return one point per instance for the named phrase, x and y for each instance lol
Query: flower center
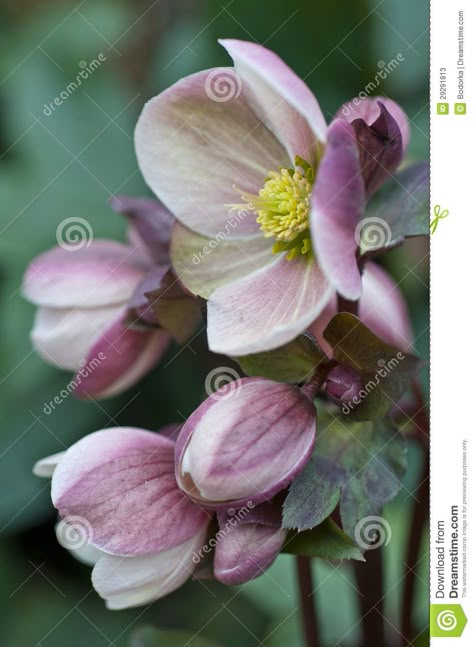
(282, 207)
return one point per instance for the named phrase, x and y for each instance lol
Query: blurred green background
(67, 165)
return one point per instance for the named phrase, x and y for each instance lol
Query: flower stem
(369, 580)
(306, 587)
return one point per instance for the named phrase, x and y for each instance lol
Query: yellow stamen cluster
(283, 207)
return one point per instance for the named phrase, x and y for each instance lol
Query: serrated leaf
(359, 465)
(400, 209)
(385, 370)
(326, 541)
(152, 637)
(293, 363)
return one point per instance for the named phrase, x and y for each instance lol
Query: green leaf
(399, 210)
(294, 362)
(326, 541)
(385, 370)
(359, 465)
(152, 637)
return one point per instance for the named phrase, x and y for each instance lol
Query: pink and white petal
(69, 538)
(120, 483)
(119, 359)
(338, 201)
(63, 337)
(267, 308)
(203, 264)
(246, 551)
(151, 224)
(382, 308)
(133, 581)
(44, 468)
(193, 151)
(369, 110)
(101, 274)
(280, 98)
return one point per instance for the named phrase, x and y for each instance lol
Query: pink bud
(246, 443)
(343, 384)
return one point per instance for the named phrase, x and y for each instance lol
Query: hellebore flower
(94, 317)
(382, 308)
(116, 489)
(247, 445)
(248, 542)
(268, 197)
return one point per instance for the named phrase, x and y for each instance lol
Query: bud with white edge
(248, 446)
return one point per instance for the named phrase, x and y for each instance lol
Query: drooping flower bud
(249, 541)
(247, 444)
(343, 384)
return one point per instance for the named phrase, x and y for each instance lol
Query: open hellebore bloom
(246, 444)
(248, 542)
(268, 197)
(94, 317)
(121, 509)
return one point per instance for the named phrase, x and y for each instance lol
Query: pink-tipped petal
(246, 443)
(368, 109)
(267, 308)
(337, 205)
(151, 221)
(63, 337)
(197, 153)
(382, 308)
(245, 551)
(120, 483)
(133, 581)
(119, 359)
(280, 98)
(101, 274)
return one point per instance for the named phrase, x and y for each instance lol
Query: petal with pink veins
(280, 98)
(45, 467)
(338, 202)
(118, 359)
(198, 154)
(63, 337)
(104, 273)
(121, 483)
(267, 308)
